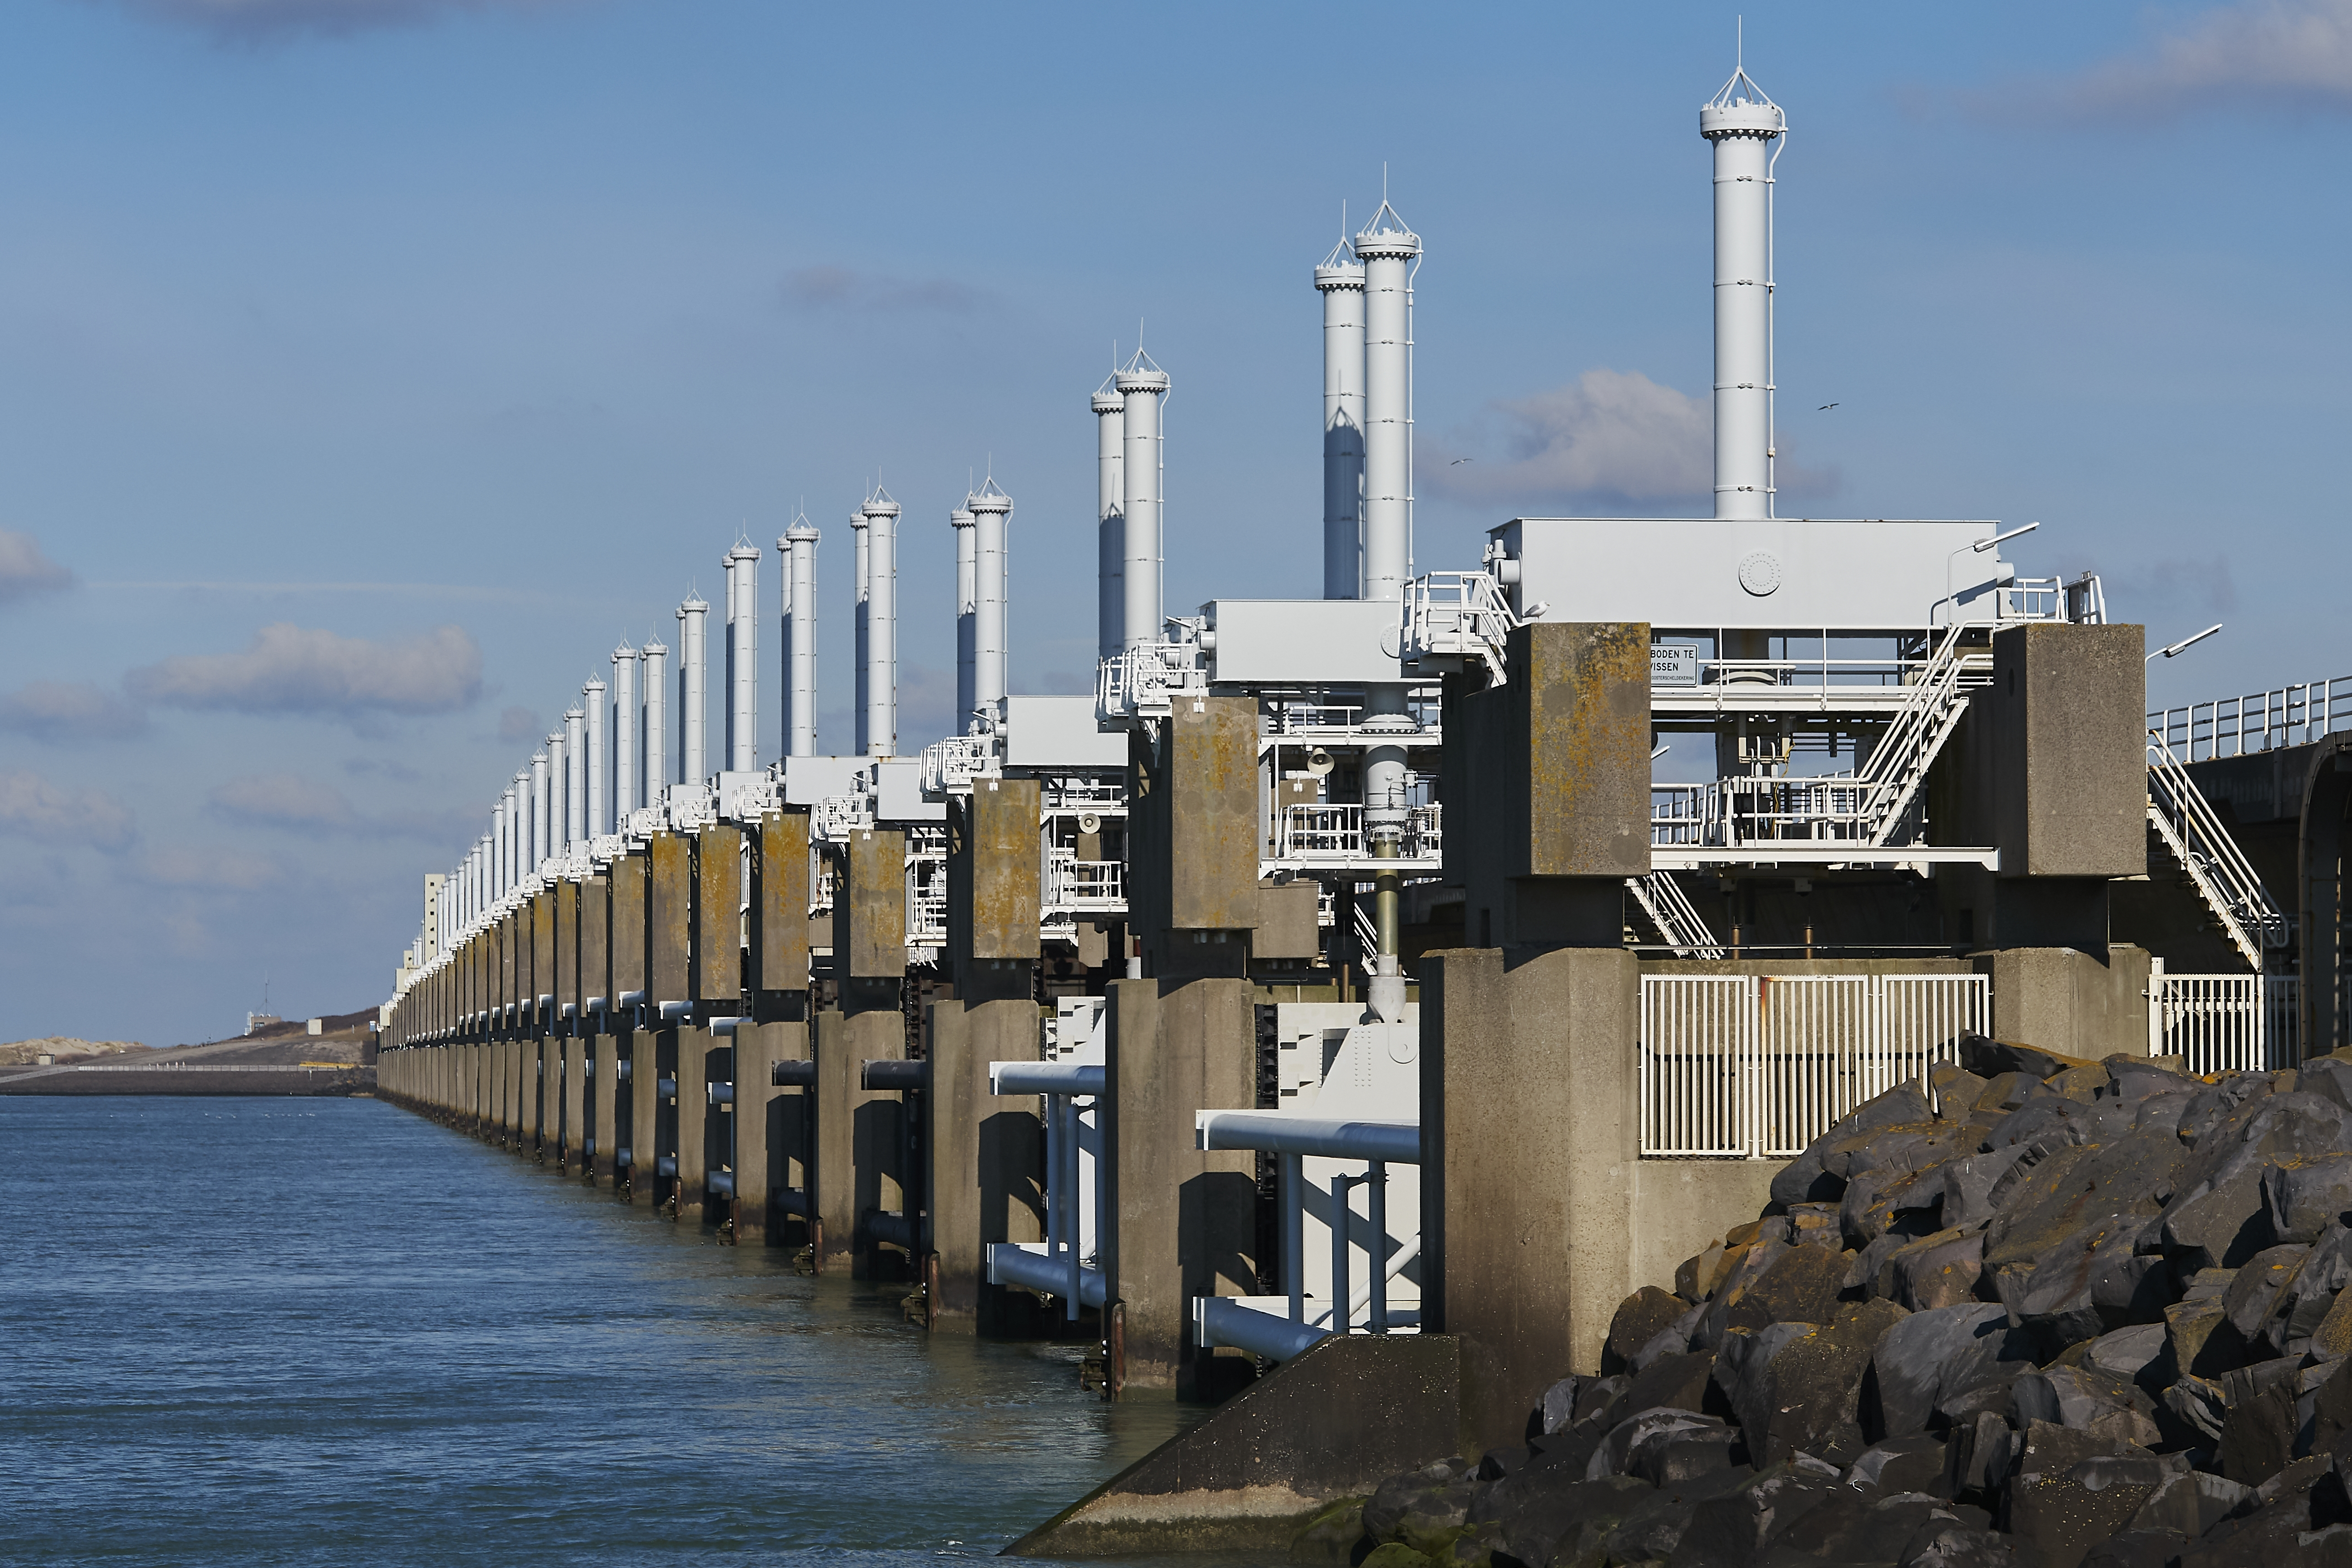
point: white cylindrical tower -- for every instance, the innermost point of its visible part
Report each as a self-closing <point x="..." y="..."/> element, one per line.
<point x="800" y="640"/>
<point x="558" y="777"/>
<point x="1390" y="252"/>
<point x="991" y="624"/>
<point x="628" y="764"/>
<point x="1110" y="516"/>
<point x="498" y="817"/>
<point x="575" y="777"/>
<point x="519" y="829"/>
<point x="1341" y="281"/>
<point x="693" y="690"/>
<point x="592" y="698"/>
<point x="1144" y="387"/>
<point x="860" y="563"/>
<point x="881" y="514"/>
<point x="743" y="659"/>
<point x="657" y="725"/>
<point x="1747" y="129"/>
<point x="539" y="809"/>
<point x="966" y="545"/>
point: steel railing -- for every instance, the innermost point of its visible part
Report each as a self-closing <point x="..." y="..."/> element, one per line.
<point x="1136" y="683"/>
<point x="2225" y="1023"/>
<point x="1458" y="616"/>
<point x="1759" y="1065"/>
<point x="1873" y="807"/>
<point x="2258" y="721"/>
<point x="1076" y="887"/>
<point x="2193" y="835"/>
<point x="1678" y="921"/>
<point x="1333" y="832"/>
<point x="949" y="765"/>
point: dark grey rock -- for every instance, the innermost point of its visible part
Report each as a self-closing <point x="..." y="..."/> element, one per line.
<point x="1914" y="1464"/>
<point x="1559" y="1404"/>
<point x="2191" y="1502"/>
<point x="1950" y="1361"/>
<point x="2129" y="1352"/>
<point x="1670" y="1383"/>
<point x="1617" y="1449"/>
<point x="2304" y="1195"/>
<point x="1989" y="1059"/>
<point x="1541" y="1511"/>
<point x="1807" y="1179"/>
<point x="1653" y="1528"/>
<point x="1639" y="1319"/>
<point x="1978" y="1454"/>
<point x="1421" y="1509"/>
<point x="1957" y="1545"/>
<point x="2072" y="1489"/>
<point x="2075" y="1397"/>
<point x="1802" y="1392"/>
<point x="1969" y="1181"/>
<point x="2136" y="1548"/>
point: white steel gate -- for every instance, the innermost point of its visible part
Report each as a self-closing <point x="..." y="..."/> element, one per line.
<point x="2224" y="1022"/>
<point x="1761" y="1065"/>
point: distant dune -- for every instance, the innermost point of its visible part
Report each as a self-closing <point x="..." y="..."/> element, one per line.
<point x="22" y="1053"/>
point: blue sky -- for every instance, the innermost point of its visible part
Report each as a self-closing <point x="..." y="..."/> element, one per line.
<point x="368" y="368"/>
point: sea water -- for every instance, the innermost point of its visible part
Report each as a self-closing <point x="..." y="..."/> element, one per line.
<point x="259" y="1332"/>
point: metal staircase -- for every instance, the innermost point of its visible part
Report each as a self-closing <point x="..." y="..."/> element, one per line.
<point x="2185" y="821"/>
<point x="1899" y="762"/>
<point x="1678" y="921"/>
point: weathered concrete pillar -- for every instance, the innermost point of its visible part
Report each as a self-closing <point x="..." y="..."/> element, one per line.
<point x="604" y="1108"/>
<point x="575" y="1106"/>
<point x="645" y="1117"/>
<point x="2050" y="766"/>
<point x="717" y="942"/>
<point x="1185" y="1221"/>
<point x="860" y="1133"/>
<point x="2323" y="829"/>
<point x="670" y="921"/>
<point x="540" y="997"/>
<point x="1529" y="1148"/>
<point x="566" y="968"/>
<point x="779" y="947"/>
<point x="984" y="1155"/>
<point x="596" y="948"/>
<point x="531" y="1083"/>
<point x="628" y="876"/>
<point x="754" y="1123"/>
<point x="1529" y="1179"/>
<point x="697" y="1049"/>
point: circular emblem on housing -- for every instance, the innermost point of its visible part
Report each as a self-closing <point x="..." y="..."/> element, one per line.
<point x="1759" y="572"/>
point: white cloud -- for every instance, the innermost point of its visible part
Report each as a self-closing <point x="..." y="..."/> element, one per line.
<point x="260" y="20"/>
<point x="62" y="711"/>
<point x="295" y="670"/>
<point x="25" y="570"/>
<point x="1608" y="441"/>
<point x="33" y="807"/>
<point x="2265" y="54"/>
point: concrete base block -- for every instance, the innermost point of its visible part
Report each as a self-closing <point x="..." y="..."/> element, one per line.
<point x="985" y="1155"/>
<point x="603" y="1101"/>
<point x="1178" y="1047"/>
<point x="1331" y="1423"/>
<point x="859" y="1133"/>
<point x="1527" y="1104"/>
<point x="2067" y="1001"/>
<point x="700" y="1058"/>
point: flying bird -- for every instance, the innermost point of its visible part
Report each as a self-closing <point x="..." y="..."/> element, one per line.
<point x="1825" y="407"/>
<point x="1459" y="461"/>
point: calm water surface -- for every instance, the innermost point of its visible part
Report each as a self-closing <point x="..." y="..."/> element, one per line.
<point x="284" y="1331"/>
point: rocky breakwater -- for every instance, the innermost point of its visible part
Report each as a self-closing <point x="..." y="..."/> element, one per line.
<point x="2076" y="1312"/>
